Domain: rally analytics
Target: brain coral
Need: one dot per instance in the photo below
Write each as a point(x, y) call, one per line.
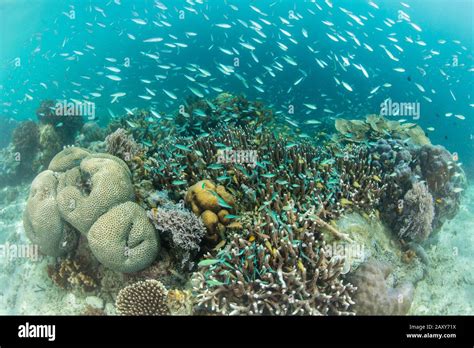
point(91, 194)
point(41, 219)
point(147, 297)
point(124, 239)
point(374, 296)
point(106, 185)
point(69, 158)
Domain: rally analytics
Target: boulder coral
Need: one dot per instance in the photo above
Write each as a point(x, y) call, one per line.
point(212, 203)
point(90, 194)
point(374, 295)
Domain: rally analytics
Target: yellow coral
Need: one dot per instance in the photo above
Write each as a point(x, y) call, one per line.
point(207, 200)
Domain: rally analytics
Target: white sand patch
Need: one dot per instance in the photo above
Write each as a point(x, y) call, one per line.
point(448, 288)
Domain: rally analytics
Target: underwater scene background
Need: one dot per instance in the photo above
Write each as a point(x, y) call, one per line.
point(197, 157)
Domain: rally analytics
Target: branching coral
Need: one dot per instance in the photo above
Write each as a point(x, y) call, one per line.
point(333, 180)
point(181, 230)
point(201, 115)
point(285, 273)
point(73, 273)
point(375, 127)
point(122, 145)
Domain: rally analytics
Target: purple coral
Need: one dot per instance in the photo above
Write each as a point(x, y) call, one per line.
point(181, 230)
point(122, 145)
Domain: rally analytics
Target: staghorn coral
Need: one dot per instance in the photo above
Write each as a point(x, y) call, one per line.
point(181, 230)
point(286, 273)
point(200, 115)
point(416, 214)
point(374, 296)
point(147, 297)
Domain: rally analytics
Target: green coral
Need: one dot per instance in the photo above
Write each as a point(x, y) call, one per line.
point(69, 158)
point(91, 194)
point(123, 238)
point(105, 184)
point(42, 221)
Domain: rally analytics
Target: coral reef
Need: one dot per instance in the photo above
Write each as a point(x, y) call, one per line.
point(286, 273)
point(200, 115)
point(408, 166)
point(73, 274)
point(375, 127)
point(92, 132)
point(213, 204)
point(90, 194)
point(26, 141)
point(180, 302)
point(122, 145)
point(66, 125)
point(147, 297)
point(123, 239)
point(374, 296)
point(50, 144)
point(181, 230)
point(215, 199)
point(416, 214)
point(445, 179)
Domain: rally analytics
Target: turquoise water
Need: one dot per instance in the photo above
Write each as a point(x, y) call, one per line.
point(311, 62)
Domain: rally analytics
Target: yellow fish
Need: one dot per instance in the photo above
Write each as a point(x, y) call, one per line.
point(345, 202)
